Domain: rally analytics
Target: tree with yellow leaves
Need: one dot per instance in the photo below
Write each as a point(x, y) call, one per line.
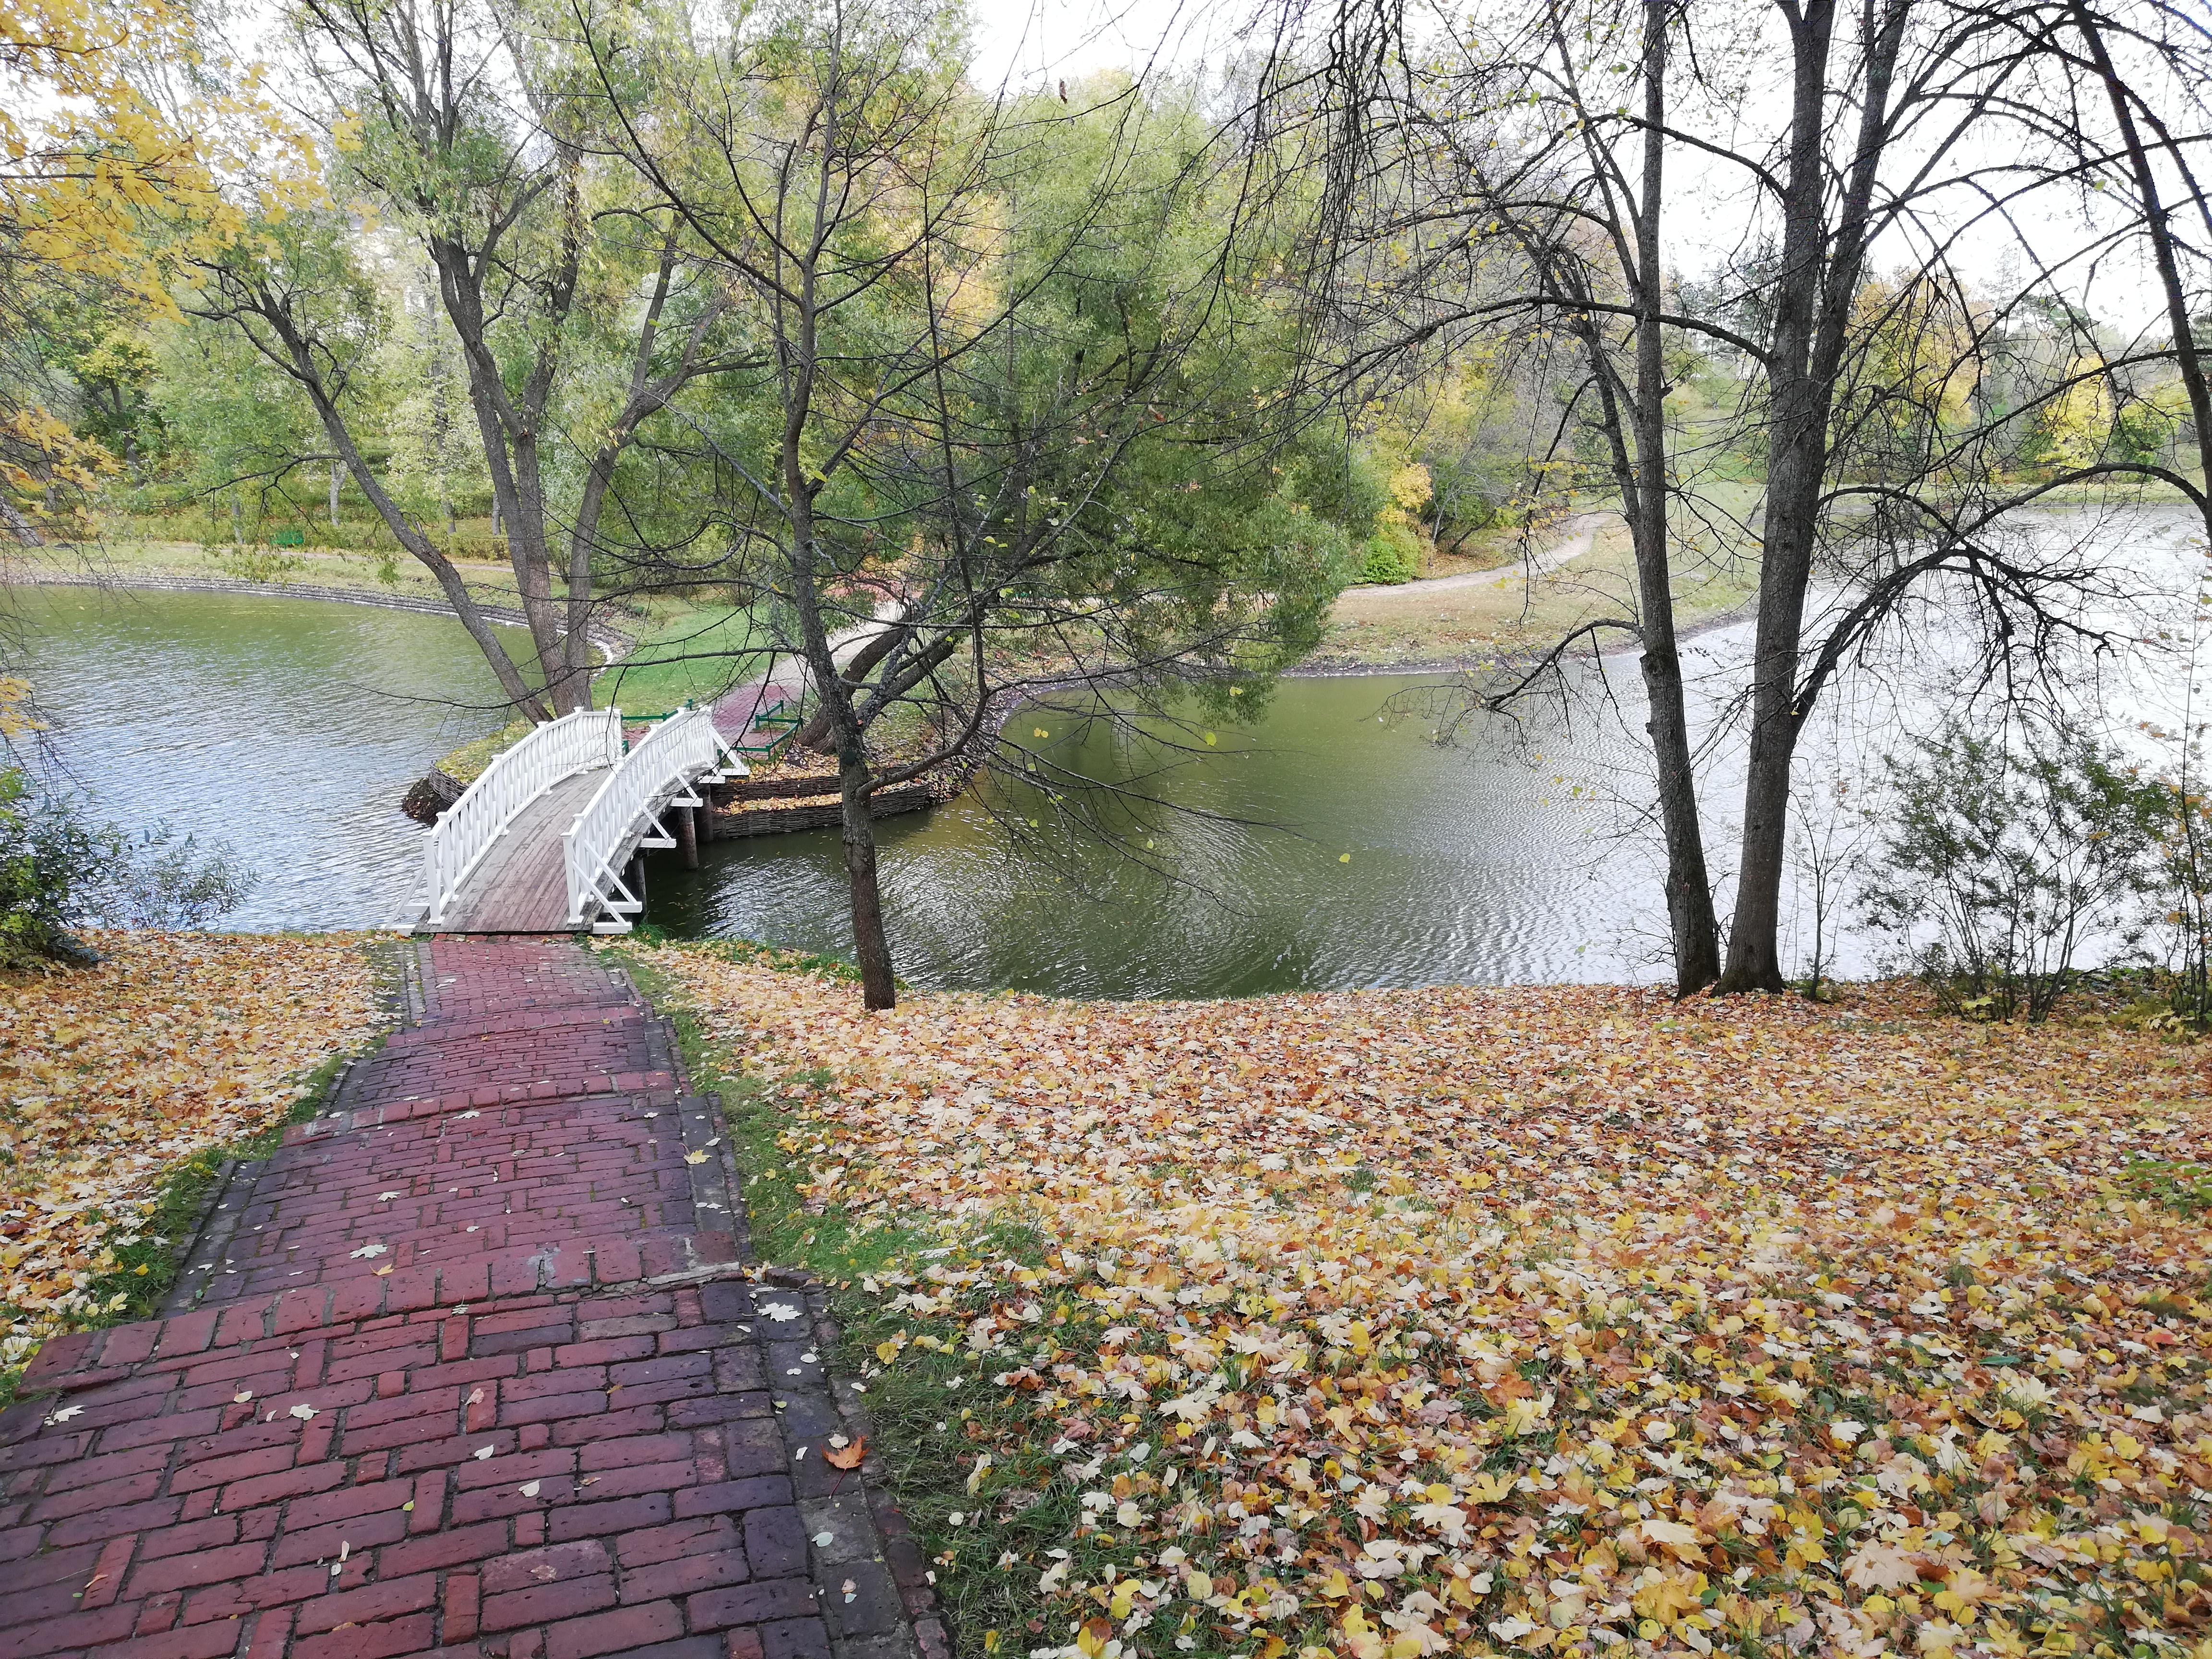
point(90, 165)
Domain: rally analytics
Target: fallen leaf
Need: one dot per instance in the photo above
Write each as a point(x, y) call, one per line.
point(1879, 1567)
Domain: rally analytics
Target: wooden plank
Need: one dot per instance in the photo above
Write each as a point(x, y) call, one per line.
point(522, 885)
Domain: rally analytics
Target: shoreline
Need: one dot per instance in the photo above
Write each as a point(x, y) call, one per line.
point(616, 645)
point(1735, 614)
point(612, 642)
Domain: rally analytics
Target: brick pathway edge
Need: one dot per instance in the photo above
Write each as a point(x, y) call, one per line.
point(541, 1449)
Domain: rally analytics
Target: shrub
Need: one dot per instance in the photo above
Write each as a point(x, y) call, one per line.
point(260, 564)
point(1394, 554)
point(59, 871)
point(2002, 861)
point(2185, 893)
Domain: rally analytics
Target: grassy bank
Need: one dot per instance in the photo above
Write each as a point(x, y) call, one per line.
point(1496, 610)
point(1475, 623)
point(1572, 1321)
point(122, 1086)
point(684, 647)
point(365, 571)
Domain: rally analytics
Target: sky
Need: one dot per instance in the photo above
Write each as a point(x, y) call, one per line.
point(1030, 42)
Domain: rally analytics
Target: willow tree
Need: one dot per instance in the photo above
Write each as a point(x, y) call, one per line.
point(1017, 432)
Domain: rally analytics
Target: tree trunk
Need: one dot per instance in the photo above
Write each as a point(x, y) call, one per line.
point(411, 537)
point(506, 426)
point(19, 526)
point(1690, 922)
point(1796, 461)
point(2158, 227)
point(337, 471)
point(1793, 487)
point(877, 990)
point(820, 726)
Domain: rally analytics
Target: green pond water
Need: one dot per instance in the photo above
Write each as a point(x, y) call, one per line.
point(1318, 848)
point(291, 728)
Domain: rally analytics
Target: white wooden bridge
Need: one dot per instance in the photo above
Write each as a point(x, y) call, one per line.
point(539, 842)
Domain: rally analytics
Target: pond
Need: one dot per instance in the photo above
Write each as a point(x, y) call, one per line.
point(1321, 847)
point(1318, 847)
point(290, 728)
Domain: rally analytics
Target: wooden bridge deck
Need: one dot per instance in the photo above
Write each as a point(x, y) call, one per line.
point(521, 886)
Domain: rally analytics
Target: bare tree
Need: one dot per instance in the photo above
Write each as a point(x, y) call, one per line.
point(1906, 129)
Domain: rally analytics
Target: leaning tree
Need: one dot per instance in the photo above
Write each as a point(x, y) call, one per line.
point(476, 137)
point(1020, 429)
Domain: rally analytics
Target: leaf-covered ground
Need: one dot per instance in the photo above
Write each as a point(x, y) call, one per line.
point(111, 1075)
point(1560, 1320)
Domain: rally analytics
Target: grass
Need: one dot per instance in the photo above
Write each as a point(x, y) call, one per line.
point(368, 570)
point(1421, 625)
point(929, 1410)
point(2185, 1185)
point(687, 653)
point(690, 650)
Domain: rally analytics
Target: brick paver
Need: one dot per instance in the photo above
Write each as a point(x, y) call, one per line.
point(472, 1366)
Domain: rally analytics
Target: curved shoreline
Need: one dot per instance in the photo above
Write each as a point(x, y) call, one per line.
point(612, 641)
point(1747, 610)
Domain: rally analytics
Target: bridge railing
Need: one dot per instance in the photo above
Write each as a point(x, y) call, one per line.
point(663, 765)
point(578, 742)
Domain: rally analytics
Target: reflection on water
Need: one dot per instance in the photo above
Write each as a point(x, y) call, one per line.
point(288, 728)
point(1462, 865)
point(1322, 848)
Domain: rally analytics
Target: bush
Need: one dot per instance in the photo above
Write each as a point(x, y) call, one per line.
point(2184, 908)
point(59, 871)
point(1394, 554)
point(2013, 858)
point(260, 565)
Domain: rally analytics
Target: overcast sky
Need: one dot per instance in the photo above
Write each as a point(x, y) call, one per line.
point(1033, 41)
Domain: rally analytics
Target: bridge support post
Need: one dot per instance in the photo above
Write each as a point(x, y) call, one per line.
point(687, 835)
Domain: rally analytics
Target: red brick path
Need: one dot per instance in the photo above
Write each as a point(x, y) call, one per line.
point(470, 1366)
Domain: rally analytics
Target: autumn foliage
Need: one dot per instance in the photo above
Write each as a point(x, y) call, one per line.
point(1561, 1320)
point(111, 1075)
